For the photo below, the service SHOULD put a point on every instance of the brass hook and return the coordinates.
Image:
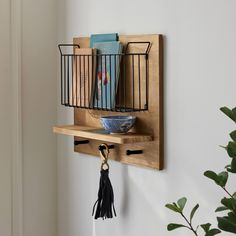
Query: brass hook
(104, 156)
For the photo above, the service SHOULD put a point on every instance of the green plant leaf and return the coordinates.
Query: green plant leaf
(231, 149)
(229, 113)
(232, 167)
(223, 178)
(230, 203)
(223, 147)
(173, 208)
(206, 227)
(181, 203)
(208, 231)
(232, 215)
(212, 232)
(220, 179)
(221, 208)
(234, 195)
(211, 175)
(227, 223)
(193, 212)
(233, 135)
(174, 226)
(234, 112)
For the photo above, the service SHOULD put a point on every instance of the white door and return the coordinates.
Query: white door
(5, 121)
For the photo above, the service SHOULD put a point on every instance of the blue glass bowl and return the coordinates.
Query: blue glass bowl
(118, 124)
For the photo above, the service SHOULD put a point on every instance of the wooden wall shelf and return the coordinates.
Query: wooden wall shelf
(101, 134)
(147, 133)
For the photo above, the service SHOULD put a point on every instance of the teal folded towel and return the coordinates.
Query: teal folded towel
(96, 38)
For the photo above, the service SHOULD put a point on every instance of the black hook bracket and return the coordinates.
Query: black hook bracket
(78, 142)
(100, 148)
(132, 152)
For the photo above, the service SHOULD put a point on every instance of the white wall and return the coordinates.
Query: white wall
(39, 115)
(200, 55)
(6, 121)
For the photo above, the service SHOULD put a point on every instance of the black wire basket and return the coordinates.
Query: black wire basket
(110, 82)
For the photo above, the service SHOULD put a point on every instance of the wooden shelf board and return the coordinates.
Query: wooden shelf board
(101, 134)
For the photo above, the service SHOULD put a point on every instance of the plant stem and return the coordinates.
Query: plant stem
(190, 225)
(227, 192)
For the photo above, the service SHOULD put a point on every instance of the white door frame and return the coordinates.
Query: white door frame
(17, 157)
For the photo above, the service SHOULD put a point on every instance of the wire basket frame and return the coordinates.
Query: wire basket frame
(110, 82)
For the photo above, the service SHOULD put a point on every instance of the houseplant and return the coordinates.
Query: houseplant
(227, 222)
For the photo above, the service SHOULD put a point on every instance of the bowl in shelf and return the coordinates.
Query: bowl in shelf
(118, 124)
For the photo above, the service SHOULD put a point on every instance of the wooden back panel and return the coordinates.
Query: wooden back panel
(150, 121)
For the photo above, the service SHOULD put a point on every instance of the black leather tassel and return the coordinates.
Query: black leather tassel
(104, 206)
(105, 202)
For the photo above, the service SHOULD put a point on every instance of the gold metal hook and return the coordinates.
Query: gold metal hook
(104, 156)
